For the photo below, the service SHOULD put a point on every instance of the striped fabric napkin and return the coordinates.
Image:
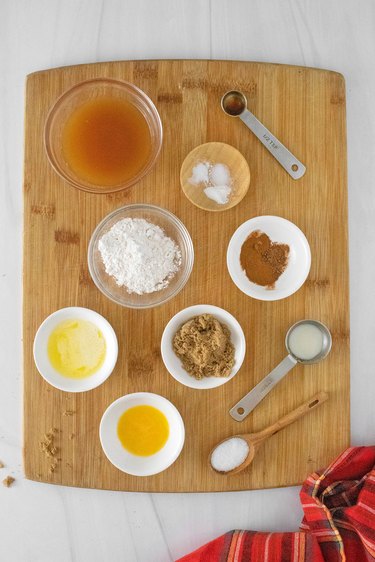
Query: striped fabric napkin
(338, 523)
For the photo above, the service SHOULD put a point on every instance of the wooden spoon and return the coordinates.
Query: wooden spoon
(215, 153)
(254, 440)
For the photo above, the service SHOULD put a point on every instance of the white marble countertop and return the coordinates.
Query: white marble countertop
(44, 523)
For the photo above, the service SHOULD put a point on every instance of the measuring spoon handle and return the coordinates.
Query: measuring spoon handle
(288, 161)
(256, 395)
(293, 416)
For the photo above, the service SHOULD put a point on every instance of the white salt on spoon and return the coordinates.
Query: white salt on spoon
(229, 454)
(236, 453)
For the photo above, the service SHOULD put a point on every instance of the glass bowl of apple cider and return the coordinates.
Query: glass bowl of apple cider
(103, 135)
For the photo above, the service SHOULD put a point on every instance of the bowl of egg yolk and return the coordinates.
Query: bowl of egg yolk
(75, 349)
(142, 433)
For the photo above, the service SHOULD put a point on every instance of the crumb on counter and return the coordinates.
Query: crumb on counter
(8, 481)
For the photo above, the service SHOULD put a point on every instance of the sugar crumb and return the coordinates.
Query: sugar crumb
(68, 413)
(48, 447)
(8, 481)
(52, 466)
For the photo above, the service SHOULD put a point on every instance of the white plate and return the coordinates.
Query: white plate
(134, 464)
(172, 361)
(279, 230)
(42, 361)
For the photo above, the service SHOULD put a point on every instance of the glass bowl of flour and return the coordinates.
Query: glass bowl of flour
(140, 256)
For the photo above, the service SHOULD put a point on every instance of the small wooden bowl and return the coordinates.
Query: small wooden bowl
(215, 153)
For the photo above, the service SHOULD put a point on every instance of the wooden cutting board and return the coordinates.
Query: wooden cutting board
(305, 109)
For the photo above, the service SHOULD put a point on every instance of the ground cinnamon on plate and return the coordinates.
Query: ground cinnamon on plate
(263, 260)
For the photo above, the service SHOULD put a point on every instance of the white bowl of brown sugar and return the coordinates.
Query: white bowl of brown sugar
(268, 258)
(203, 346)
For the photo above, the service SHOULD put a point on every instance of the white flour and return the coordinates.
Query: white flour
(139, 255)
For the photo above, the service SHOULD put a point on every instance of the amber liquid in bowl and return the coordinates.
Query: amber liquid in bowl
(106, 141)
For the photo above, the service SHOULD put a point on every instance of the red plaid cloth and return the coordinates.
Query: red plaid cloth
(338, 525)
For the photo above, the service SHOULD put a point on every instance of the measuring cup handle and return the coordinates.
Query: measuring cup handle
(288, 161)
(256, 395)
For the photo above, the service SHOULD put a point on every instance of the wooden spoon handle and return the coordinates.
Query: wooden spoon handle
(296, 414)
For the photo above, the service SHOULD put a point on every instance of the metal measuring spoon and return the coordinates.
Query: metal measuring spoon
(252, 399)
(234, 103)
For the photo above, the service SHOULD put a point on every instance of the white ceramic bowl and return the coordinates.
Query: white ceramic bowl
(134, 464)
(279, 230)
(43, 363)
(172, 361)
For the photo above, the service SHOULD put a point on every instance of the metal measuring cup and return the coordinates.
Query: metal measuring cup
(234, 103)
(247, 404)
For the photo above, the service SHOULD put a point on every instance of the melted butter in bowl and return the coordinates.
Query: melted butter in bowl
(75, 349)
